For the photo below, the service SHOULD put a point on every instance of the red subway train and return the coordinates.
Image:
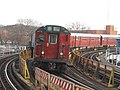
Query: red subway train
(92, 40)
(51, 45)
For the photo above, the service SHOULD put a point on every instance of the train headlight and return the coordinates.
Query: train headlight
(61, 54)
(42, 52)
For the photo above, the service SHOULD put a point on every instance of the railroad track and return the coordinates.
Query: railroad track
(8, 79)
(83, 79)
(117, 70)
(5, 82)
(65, 75)
(92, 56)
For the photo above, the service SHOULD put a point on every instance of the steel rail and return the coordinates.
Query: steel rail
(8, 79)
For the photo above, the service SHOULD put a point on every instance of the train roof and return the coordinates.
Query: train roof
(53, 29)
(84, 35)
(93, 35)
(106, 35)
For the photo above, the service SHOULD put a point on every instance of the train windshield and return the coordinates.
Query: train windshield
(41, 38)
(49, 28)
(53, 38)
(56, 29)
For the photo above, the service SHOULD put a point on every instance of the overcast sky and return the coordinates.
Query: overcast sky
(94, 13)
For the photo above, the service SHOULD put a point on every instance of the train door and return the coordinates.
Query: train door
(52, 47)
(40, 38)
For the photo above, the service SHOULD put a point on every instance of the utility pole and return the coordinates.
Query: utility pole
(108, 17)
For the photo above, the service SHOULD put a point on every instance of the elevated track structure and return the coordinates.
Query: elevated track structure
(87, 64)
(7, 77)
(92, 66)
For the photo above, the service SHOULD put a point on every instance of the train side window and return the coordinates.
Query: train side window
(84, 39)
(66, 38)
(41, 38)
(53, 38)
(92, 39)
(111, 39)
(77, 38)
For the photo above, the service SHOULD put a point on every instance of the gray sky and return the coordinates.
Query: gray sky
(93, 13)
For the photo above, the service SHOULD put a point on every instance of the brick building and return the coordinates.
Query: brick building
(109, 30)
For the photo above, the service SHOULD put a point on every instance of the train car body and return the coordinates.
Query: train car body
(51, 46)
(109, 40)
(92, 40)
(81, 40)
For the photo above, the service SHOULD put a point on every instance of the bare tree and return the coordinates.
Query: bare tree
(1, 25)
(16, 33)
(77, 26)
(26, 28)
(29, 22)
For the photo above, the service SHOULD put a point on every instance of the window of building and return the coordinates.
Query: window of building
(53, 38)
(41, 38)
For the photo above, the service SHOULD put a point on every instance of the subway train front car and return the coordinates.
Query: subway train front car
(51, 47)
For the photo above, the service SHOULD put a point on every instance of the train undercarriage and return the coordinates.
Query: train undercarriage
(51, 65)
